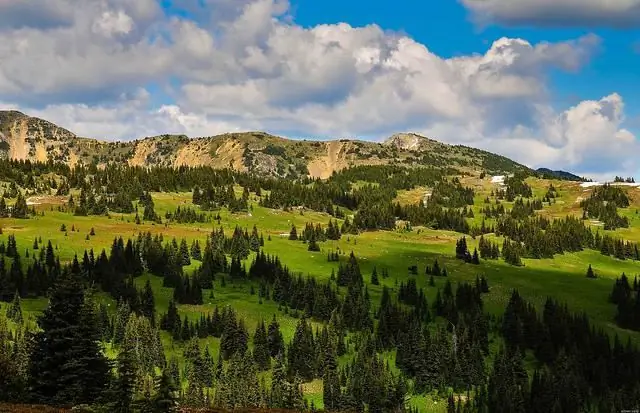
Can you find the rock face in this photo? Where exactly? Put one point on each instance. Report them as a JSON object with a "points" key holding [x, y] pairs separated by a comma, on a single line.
{"points": [[27, 138]]}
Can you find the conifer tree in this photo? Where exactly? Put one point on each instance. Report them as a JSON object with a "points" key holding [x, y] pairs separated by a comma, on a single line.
{"points": [[293, 234], [261, 347], [165, 399], [125, 383], [67, 364], [14, 312], [147, 303], [374, 277], [274, 338]]}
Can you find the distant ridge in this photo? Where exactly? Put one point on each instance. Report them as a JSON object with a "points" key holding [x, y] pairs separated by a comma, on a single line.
{"points": [[563, 175], [29, 138]]}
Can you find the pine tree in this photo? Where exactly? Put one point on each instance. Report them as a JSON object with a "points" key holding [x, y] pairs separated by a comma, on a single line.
{"points": [[261, 347], [125, 383], [14, 312], [590, 272], [293, 235], [165, 399], [147, 303], [374, 277], [475, 259], [274, 338], [67, 364]]}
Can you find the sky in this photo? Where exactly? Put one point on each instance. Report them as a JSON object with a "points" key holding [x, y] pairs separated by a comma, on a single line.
{"points": [[549, 83]]}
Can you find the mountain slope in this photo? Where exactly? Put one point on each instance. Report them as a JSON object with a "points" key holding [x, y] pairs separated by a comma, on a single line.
{"points": [[29, 138]]}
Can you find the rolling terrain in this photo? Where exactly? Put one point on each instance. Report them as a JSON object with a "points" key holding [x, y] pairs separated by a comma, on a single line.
{"points": [[402, 205]]}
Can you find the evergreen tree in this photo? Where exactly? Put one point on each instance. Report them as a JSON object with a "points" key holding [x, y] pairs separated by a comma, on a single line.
{"points": [[67, 364], [165, 399], [374, 277], [293, 234], [274, 338], [147, 303], [14, 312], [125, 383], [261, 353]]}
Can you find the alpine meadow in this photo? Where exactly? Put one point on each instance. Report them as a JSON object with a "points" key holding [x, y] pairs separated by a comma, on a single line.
{"points": [[407, 275], [363, 206]]}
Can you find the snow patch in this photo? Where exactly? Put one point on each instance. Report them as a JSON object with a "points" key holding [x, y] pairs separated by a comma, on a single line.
{"points": [[591, 184], [498, 179]]}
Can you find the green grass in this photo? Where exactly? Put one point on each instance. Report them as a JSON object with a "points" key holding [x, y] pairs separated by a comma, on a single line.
{"points": [[562, 277]]}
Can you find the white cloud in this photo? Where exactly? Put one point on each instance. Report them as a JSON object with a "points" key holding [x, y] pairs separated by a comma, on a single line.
{"points": [[244, 65], [601, 13]]}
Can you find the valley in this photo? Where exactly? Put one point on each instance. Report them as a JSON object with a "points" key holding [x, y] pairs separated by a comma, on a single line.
{"points": [[396, 214]]}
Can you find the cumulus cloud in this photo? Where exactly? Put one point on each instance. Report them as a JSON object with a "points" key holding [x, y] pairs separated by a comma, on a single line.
{"points": [[120, 69], [560, 13]]}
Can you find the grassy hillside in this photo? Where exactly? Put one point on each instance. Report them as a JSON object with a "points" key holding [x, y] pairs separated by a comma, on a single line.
{"points": [[562, 277], [402, 205]]}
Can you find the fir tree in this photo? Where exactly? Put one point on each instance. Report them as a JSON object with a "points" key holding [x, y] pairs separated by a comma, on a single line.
{"points": [[274, 338], [125, 383], [165, 399], [374, 277], [67, 364], [261, 353]]}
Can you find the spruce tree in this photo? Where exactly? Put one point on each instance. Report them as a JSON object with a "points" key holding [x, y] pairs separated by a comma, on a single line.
{"points": [[261, 347], [147, 303], [67, 364], [165, 399], [274, 338], [374, 277], [14, 312], [125, 383]]}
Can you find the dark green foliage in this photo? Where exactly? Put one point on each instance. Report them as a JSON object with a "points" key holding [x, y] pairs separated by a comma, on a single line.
{"points": [[20, 208], [301, 359], [125, 383], [67, 364], [274, 339], [261, 351], [603, 205], [374, 277], [627, 300], [165, 398], [186, 215], [14, 312], [293, 234]]}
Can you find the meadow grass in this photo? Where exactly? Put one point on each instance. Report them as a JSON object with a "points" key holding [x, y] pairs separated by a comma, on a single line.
{"points": [[562, 277]]}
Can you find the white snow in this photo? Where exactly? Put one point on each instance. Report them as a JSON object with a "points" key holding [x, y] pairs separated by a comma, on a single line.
{"points": [[498, 179], [591, 184]]}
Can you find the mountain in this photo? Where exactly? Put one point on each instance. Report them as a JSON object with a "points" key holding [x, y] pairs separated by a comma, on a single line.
{"points": [[29, 138], [563, 175]]}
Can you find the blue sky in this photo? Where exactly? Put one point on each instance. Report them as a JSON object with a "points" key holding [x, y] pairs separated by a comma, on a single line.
{"points": [[448, 30], [549, 83]]}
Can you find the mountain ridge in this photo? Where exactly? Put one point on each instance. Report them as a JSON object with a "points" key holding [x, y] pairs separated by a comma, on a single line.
{"points": [[29, 138]]}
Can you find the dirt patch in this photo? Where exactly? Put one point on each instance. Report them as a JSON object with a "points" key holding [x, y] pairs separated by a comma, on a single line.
{"points": [[230, 154], [142, 150], [192, 154], [324, 166], [47, 199]]}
